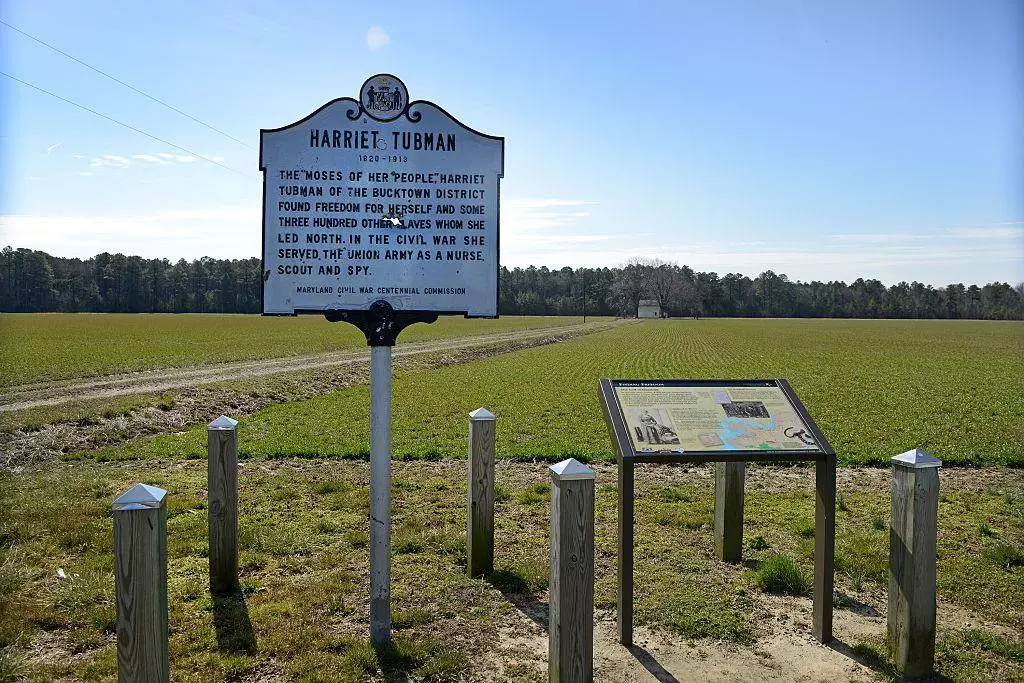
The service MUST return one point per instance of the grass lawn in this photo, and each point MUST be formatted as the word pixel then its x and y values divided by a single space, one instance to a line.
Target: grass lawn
pixel 303 609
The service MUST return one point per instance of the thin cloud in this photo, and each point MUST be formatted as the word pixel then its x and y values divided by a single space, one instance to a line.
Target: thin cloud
pixel 542 203
pixel 519 216
pixel 114 160
pixel 993 231
pixel 180 158
pixel 546 233
pixel 52 148
pixel 144 160
pixel 989 232
pixel 879 238
pixel 377 37
pixel 220 232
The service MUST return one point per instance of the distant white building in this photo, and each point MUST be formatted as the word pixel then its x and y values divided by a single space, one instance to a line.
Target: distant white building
pixel 648 308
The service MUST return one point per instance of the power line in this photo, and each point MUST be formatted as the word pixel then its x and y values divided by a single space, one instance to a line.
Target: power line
pixel 122 123
pixel 127 85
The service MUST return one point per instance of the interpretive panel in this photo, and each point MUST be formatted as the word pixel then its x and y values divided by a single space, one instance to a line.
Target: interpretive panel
pixel 380 198
pixel 675 421
pixel 694 417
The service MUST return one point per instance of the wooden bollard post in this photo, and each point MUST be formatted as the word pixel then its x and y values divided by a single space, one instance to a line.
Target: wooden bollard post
pixel 480 493
pixel 140 579
pixel 729 510
pixel 571 583
pixel 222 495
pixel 912 557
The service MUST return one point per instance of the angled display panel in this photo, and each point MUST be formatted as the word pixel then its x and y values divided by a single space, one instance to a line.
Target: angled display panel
pixel 710 420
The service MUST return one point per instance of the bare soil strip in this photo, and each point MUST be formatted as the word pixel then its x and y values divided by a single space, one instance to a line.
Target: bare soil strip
pixel 26 396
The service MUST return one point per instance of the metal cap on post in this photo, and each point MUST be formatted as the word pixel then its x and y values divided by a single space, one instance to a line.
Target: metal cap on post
pixel 221 423
pixel 222 497
pixel 571 469
pixel 916 459
pixel 140 578
pixel 480 494
pixel 571 581
pixel 140 497
pixel 912 563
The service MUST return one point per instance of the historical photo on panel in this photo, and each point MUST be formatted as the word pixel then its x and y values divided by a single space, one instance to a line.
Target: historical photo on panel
pixel 653 426
pixel 745 409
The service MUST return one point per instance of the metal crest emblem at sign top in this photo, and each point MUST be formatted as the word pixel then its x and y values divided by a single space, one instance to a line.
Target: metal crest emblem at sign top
pixel 383 97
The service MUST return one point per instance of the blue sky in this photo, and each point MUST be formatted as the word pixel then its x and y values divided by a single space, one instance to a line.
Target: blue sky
pixel 824 140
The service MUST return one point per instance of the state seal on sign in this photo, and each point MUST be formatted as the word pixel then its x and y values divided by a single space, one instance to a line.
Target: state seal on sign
pixel 383 97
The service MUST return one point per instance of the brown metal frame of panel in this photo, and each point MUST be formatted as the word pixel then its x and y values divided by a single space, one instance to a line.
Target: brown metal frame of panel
pixel 824 498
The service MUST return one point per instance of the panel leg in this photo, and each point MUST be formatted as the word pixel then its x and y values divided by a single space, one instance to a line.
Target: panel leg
pixel 824 546
pixel 626 474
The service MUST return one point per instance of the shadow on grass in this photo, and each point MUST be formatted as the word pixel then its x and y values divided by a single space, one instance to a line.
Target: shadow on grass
pixel 231 620
pixel 875 657
pixel 393 664
pixel 852 604
pixel 651 664
pixel 517 591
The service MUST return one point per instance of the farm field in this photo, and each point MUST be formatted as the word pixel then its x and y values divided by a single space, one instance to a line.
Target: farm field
pixel 36 347
pixel 876 388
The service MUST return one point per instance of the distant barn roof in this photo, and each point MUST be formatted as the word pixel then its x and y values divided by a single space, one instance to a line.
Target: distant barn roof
pixel 648 302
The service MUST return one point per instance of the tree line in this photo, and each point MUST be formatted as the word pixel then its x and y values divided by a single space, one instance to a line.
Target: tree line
pixel 34 281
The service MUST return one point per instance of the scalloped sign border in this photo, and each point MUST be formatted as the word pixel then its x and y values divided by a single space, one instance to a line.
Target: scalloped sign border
pixel 380 199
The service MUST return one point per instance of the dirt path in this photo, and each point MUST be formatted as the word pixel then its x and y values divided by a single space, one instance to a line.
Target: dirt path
pixel 195 395
pixel 22 397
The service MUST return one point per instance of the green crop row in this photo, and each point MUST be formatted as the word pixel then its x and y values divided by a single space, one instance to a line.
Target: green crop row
pixel 37 347
pixel 876 389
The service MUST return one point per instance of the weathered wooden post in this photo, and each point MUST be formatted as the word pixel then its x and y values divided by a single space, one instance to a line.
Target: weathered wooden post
pixel 140 579
pixel 222 494
pixel 480 527
pixel 571 583
pixel 729 510
pixel 912 557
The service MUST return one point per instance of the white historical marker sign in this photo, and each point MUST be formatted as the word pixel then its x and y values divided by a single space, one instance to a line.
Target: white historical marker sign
pixel 380 198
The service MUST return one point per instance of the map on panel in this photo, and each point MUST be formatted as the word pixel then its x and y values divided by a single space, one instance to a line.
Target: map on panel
pixel 680 419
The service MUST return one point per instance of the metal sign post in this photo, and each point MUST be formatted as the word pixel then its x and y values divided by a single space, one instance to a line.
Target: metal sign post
pixel 381 326
pixel 380 494
pixel 380 211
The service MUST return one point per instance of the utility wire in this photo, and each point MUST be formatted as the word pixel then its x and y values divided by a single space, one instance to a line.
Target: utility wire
pixel 127 85
pixel 125 125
